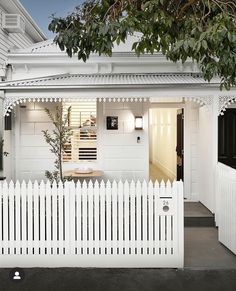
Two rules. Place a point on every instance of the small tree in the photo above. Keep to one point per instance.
(57, 140)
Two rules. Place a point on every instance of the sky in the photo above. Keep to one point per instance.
(40, 11)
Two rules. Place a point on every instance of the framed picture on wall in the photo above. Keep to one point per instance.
(112, 122)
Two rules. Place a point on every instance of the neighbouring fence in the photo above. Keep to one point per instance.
(91, 225)
(226, 205)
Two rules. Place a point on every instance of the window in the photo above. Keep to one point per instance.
(83, 122)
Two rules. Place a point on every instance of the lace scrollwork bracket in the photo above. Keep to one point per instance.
(224, 102)
(202, 100)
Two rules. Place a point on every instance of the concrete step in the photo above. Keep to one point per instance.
(199, 221)
(197, 215)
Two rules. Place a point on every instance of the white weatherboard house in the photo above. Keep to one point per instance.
(178, 109)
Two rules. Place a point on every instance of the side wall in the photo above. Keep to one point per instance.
(207, 162)
(163, 140)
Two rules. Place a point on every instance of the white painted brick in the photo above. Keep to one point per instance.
(43, 105)
(194, 189)
(36, 175)
(34, 116)
(43, 126)
(123, 164)
(108, 106)
(123, 152)
(194, 151)
(39, 152)
(194, 163)
(123, 139)
(33, 140)
(36, 165)
(194, 176)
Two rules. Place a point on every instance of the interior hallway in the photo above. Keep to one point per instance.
(156, 174)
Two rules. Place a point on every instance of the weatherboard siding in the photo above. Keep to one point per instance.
(11, 40)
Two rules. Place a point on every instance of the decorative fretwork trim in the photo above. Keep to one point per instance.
(11, 102)
(224, 102)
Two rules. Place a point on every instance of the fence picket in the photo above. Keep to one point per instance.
(90, 217)
(71, 218)
(102, 218)
(108, 218)
(61, 237)
(78, 217)
(156, 217)
(120, 218)
(11, 218)
(132, 218)
(150, 218)
(30, 217)
(5, 218)
(84, 217)
(138, 217)
(36, 218)
(144, 217)
(54, 218)
(114, 218)
(123, 224)
(48, 216)
(96, 217)
(127, 224)
(67, 221)
(23, 217)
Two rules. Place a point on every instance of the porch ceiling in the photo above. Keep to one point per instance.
(106, 80)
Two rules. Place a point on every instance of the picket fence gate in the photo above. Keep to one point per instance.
(225, 205)
(124, 224)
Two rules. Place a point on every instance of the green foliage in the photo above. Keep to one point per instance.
(57, 141)
(202, 30)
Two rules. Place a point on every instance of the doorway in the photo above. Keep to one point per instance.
(166, 142)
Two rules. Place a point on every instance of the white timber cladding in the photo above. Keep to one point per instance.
(10, 40)
(33, 155)
(119, 153)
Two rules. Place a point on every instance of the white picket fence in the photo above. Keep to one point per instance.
(91, 225)
(226, 205)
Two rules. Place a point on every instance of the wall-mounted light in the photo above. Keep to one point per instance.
(138, 122)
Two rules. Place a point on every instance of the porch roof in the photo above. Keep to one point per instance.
(107, 80)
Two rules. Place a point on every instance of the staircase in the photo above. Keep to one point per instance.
(197, 215)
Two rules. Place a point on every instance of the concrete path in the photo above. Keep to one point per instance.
(204, 251)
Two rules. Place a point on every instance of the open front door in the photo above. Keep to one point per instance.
(180, 145)
(227, 138)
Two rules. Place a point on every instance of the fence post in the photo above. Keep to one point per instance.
(67, 218)
(180, 219)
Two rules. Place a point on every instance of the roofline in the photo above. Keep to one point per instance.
(36, 33)
(103, 86)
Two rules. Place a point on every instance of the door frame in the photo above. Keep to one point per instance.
(187, 151)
